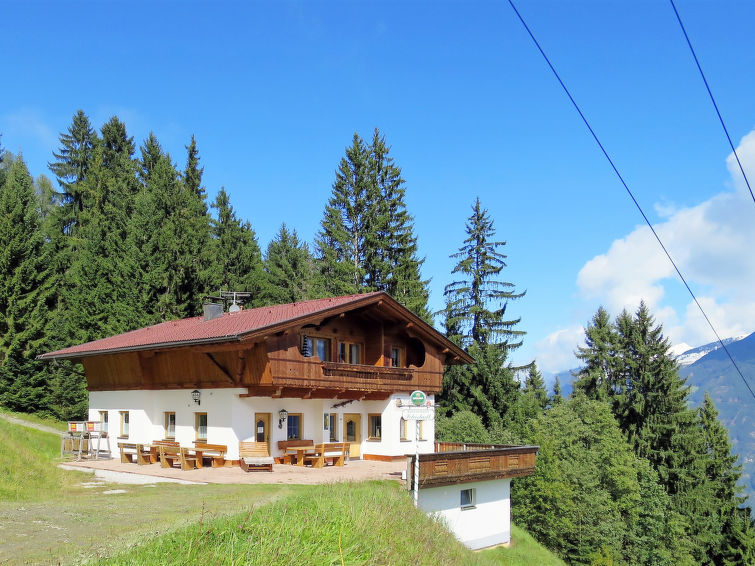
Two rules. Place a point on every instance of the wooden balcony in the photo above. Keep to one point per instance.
(365, 372)
(470, 465)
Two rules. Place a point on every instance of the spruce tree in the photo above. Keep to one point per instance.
(24, 269)
(475, 319)
(367, 242)
(237, 261)
(289, 269)
(598, 374)
(72, 163)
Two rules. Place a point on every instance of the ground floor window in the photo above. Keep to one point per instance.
(200, 426)
(333, 432)
(124, 424)
(402, 429)
(293, 426)
(467, 499)
(170, 425)
(375, 426)
(103, 420)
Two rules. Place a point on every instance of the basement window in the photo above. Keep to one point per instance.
(467, 499)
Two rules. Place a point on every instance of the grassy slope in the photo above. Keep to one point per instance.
(50, 518)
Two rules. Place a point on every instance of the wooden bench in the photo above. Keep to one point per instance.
(154, 451)
(255, 456)
(333, 452)
(186, 458)
(215, 452)
(288, 458)
(134, 453)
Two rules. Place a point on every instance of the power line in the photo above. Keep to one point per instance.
(713, 100)
(631, 195)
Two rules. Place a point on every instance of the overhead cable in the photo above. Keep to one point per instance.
(631, 195)
(713, 100)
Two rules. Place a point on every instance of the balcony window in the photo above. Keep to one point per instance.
(397, 357)
(349, 353)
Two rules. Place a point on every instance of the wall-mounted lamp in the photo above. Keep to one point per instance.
(282, 416)
(195, 395)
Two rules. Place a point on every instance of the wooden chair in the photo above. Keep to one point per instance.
(255, 456)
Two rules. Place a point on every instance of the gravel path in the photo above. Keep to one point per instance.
(22, 422)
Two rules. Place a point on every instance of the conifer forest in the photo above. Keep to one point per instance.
(118, 235)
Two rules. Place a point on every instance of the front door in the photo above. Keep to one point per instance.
(262, 428)
(352, 433)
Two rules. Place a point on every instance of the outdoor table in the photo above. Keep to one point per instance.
(300, 451)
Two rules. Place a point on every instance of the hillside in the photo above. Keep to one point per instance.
(715, 374)
(367, 523)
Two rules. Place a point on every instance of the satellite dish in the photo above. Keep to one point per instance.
(234, 308)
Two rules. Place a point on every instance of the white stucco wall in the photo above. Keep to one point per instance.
(230, 418)
(488, 524)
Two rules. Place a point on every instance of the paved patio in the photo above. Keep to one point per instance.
(354, 470)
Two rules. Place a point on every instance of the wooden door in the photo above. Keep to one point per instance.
(352, 433)
(262, 428)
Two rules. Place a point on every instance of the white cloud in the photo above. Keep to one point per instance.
(555, 352)
(711, 243)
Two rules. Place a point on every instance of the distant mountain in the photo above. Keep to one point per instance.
(686, 355)
(713, 372)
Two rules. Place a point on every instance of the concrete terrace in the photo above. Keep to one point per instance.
(354, 470)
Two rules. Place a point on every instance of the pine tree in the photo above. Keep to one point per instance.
(73, 160)
(193, 172)
(24, 268)
(170, 235)
(366, 241)
(469, 299)
(474, 318)
(737, 531)
(556, 398)
(598, 375)
(237, 258)
(289, 269)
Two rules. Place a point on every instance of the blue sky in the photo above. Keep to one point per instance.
(274, 91)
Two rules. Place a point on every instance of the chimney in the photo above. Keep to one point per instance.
(213, 310)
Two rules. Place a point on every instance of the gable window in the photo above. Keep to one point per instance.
(397, 357)
(103, 420)
(124, 424)
(349, 353)
(467, 498)
(293, 426)
(170, 425)
(200, 426)
(375, 422)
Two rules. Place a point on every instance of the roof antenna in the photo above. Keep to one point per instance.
(236, 298)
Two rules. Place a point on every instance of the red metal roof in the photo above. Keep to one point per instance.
(197, 330)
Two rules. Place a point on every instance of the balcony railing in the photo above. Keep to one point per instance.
(461, 466)
(358, 371)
